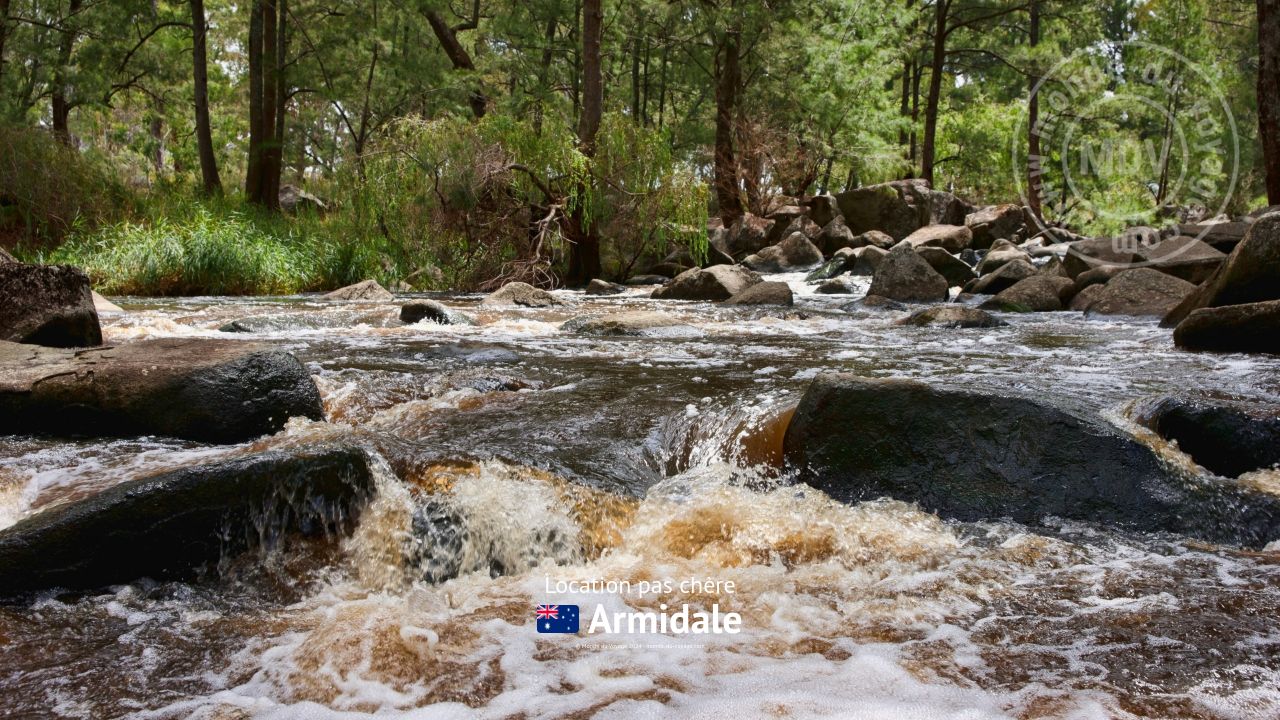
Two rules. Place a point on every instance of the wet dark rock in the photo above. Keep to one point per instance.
(899, 208)
(979, 456)
(179, 524)
(47, 305)
(416, 311)
(1038, 293)
(236, 326)
(476, 353)
(604, 287)
(836, 286)
(904, 275)
(518, 293)
(953, 316)
(841, 261)
(1249, 328)
(198, 389)
(796, 252)
(1006, 277)
(1250, 274)
(714, 283)
(366, 290)
(948, 266)
(764, 293)
(1227, 438)
(1141, 292)
(667, 269)
(995, 222)
(952, 238)
(874, 302)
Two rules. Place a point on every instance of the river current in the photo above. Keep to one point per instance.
(569, 458)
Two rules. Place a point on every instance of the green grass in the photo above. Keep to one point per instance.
(217, 248)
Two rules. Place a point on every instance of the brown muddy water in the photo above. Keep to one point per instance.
(573, 458)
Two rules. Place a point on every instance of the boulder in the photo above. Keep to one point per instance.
(416, 311)
(646, 280)
(667, 269)
(518, 293)
(874, 302)
(604, 287)
(823, 208)
(796, 252)
(874, 238)
(1002, 279)
(899, 208)
(1054, 267)
(904, 275)
(633, 322)
(1087, 254)
(714, 283)
(1250, 274)
(1183, 257)
(835, 286)
(365, 290)
(1085, 298)
(973, 455)
(1001, 253)
(236, 326)
(1142, 292)
(867, 259)
(953, 316)
(994, 222)
(1038, 293)
(192, 388)
(1097, 276)
(103, 305)
(835, 236)
(763, 293)
(952, 238)
(179, 524)
(801, 224)
(1221, 236)
(1228, 438)
(948, 266)
(47, 305)
(746, 235)
(1251, 327)
(841, 261)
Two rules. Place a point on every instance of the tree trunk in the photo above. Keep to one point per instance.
(584, 256)
(264, 83)
(459, 57)
(725, 171)
(60, 107)
(4, 34)
(1269, 93)
(928, 151)
(210, 181)
(1034, 161)
(274, 164)
(544, 74)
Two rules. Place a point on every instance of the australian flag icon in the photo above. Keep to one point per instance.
(557, 618)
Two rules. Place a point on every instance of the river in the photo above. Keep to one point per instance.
(569, 458)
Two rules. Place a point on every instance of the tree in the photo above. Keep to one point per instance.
(458, 55)
(211, 183)
(584, 254)
(266, 100)
(1269, 94)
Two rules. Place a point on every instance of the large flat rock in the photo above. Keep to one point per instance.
(197, 389)
(179, 524)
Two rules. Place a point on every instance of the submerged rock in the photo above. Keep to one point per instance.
(518, 293)
(197, 389)
(236, 326)
(1227, 438)
(634, 322)
(719, 282)
(764, 293)
(416, 311)
(836, 286)
(178, 524)
(953, 316)
(604, 287)
(365, 290)
(841, 261)
(977, 456)
(904, 275)
(47, 305)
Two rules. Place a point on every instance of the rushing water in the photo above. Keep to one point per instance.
(574, 458)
